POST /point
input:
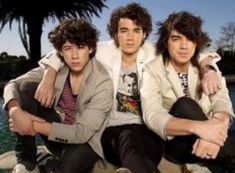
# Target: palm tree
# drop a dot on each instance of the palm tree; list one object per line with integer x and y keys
{"x": 31, "y": 15}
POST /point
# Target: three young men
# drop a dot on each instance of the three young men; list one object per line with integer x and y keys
{"x": 127, "y": 142}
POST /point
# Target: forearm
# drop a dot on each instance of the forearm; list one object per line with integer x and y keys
{"x": 179, "y": 127}
{"x": 42, "y": 127}
{"x": 223, "y": 116}
{"x": 49, "y": 75}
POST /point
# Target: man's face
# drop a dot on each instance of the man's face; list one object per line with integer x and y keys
{"x": 76, "y": 57}
{"x": 129, "y": 36}
{"x": 180, "y": 48}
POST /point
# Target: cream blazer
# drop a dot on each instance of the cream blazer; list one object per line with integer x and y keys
{"x": 93, "y": 104}
{"x": 161, "y": 87}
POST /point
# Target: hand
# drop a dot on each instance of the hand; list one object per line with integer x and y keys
{"x": 205, "y": 149}
{"x": 212, "y": 130}
{"x": 22, "y": 122}
{"x": 210, "y": 82}
{"x": 45, "y": 94}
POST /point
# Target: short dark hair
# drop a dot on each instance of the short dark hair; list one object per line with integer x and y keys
{"x": 76, "y": 31}
{"x": 186, "y": 24}
{"x": 133, "y": 11}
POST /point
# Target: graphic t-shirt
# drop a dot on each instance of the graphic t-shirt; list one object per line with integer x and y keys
{"x": 127, "y": 103}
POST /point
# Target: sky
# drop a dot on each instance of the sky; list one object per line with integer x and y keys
{"x": 215, "y": 14}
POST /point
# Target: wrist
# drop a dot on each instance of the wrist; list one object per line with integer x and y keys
{"x": 223, "y": 117}
{"x": 209, "y": 67}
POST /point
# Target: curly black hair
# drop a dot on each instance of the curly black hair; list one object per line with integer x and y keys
{"x": 134, "y": 11}
{"x": 76, "y": 31}
{"x": 186, "y": 24}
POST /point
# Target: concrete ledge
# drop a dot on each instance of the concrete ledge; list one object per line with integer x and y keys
{"x": 8, "y": 162}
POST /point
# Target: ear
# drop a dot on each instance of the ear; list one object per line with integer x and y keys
{"x": 90, "y": 51}
{"x": 144, "y": 36}
{"x": 60, "y": 53}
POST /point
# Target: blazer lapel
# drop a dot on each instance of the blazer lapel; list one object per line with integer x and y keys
{"x": 174, "y": 80}
{"x": 60, "y": 81}
{"x": 87, "y": 73}
{"x": 193, "y": 81}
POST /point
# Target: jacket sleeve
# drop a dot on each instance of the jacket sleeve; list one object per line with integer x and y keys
{"x": 221, "y": 101}
{"x": 205, "y": 53}
{"x": 91, "y": 119}
{"x": 51, "y": 59}
{"x": 11, "y": 90}
{"x": 154, "y": 114}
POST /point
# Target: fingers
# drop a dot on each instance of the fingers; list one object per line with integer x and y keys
{"x": 211, "y": 83}
{"x": 49, "y": 100}
{"x": 210, "y": 88}
{"x": 11, "y": 125}
{"x": 45, "y": 98}
{"x": 195, "y": 146}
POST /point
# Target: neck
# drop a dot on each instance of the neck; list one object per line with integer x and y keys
{"x": 75, "y": 81}
{"x": 181, "y": 68}
{"x": 128, "y": 60}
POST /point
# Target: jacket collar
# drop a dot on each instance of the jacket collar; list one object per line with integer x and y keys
{"x": 62, "y": 77}
{"x": 193, "y": 80}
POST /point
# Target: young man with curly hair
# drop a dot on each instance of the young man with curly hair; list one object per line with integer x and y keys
{"x": 72, "y": 128}
{"x": 193, "y": 125}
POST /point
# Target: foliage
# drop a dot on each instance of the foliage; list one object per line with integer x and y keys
{"x": 12, "y": 66}
{"x": 227, "y": 62}
{"x": 227, "y": 39}
{"x": 31, "y": 16}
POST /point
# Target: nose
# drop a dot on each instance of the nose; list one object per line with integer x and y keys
{"x": 75, "y": 53}
{"x": 130, "y": 35}
{"x": 183, "y": 44}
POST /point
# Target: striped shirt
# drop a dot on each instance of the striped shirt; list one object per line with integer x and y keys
{"x": 67, "y": 103}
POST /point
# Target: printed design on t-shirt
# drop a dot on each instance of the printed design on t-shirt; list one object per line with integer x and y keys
{"x": 184, "y": 83}
{"x": 130, "y": 100}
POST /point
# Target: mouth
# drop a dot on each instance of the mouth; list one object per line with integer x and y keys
{"x": 183, "y": 54}
{"x": 75, "y": 63}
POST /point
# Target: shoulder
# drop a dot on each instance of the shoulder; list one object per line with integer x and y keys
{"x": 106, "y": 52}
{"x": 106, "y": 48}
{"x": 148, "y": 51}
{"x": 156, "y": 64}
{"x": 149, "y": 46}
{"x": 98, "y": 69}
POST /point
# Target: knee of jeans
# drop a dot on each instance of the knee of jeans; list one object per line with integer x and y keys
{"x": 126, "y": 138}
{"x": 28, "y": 87}
{"x": 184, "y": 101}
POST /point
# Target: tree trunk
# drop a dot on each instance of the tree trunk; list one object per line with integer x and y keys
{"x": 35, "y": 33}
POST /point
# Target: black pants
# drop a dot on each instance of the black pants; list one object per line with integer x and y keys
{"x": 65, "y": 158}
{"x": 132, "y": 146}
{"x": 179, "y": 148}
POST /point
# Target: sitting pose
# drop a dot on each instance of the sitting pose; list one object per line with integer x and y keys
{"x": 72, "y": 128}
{"x": 126, "y": 142}
{"x": 193, "y": 125}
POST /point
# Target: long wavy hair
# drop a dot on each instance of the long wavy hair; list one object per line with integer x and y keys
{"x": 186, "y": 24}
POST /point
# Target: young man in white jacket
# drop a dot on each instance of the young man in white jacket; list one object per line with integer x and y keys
{"x": 194, "y": 125}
